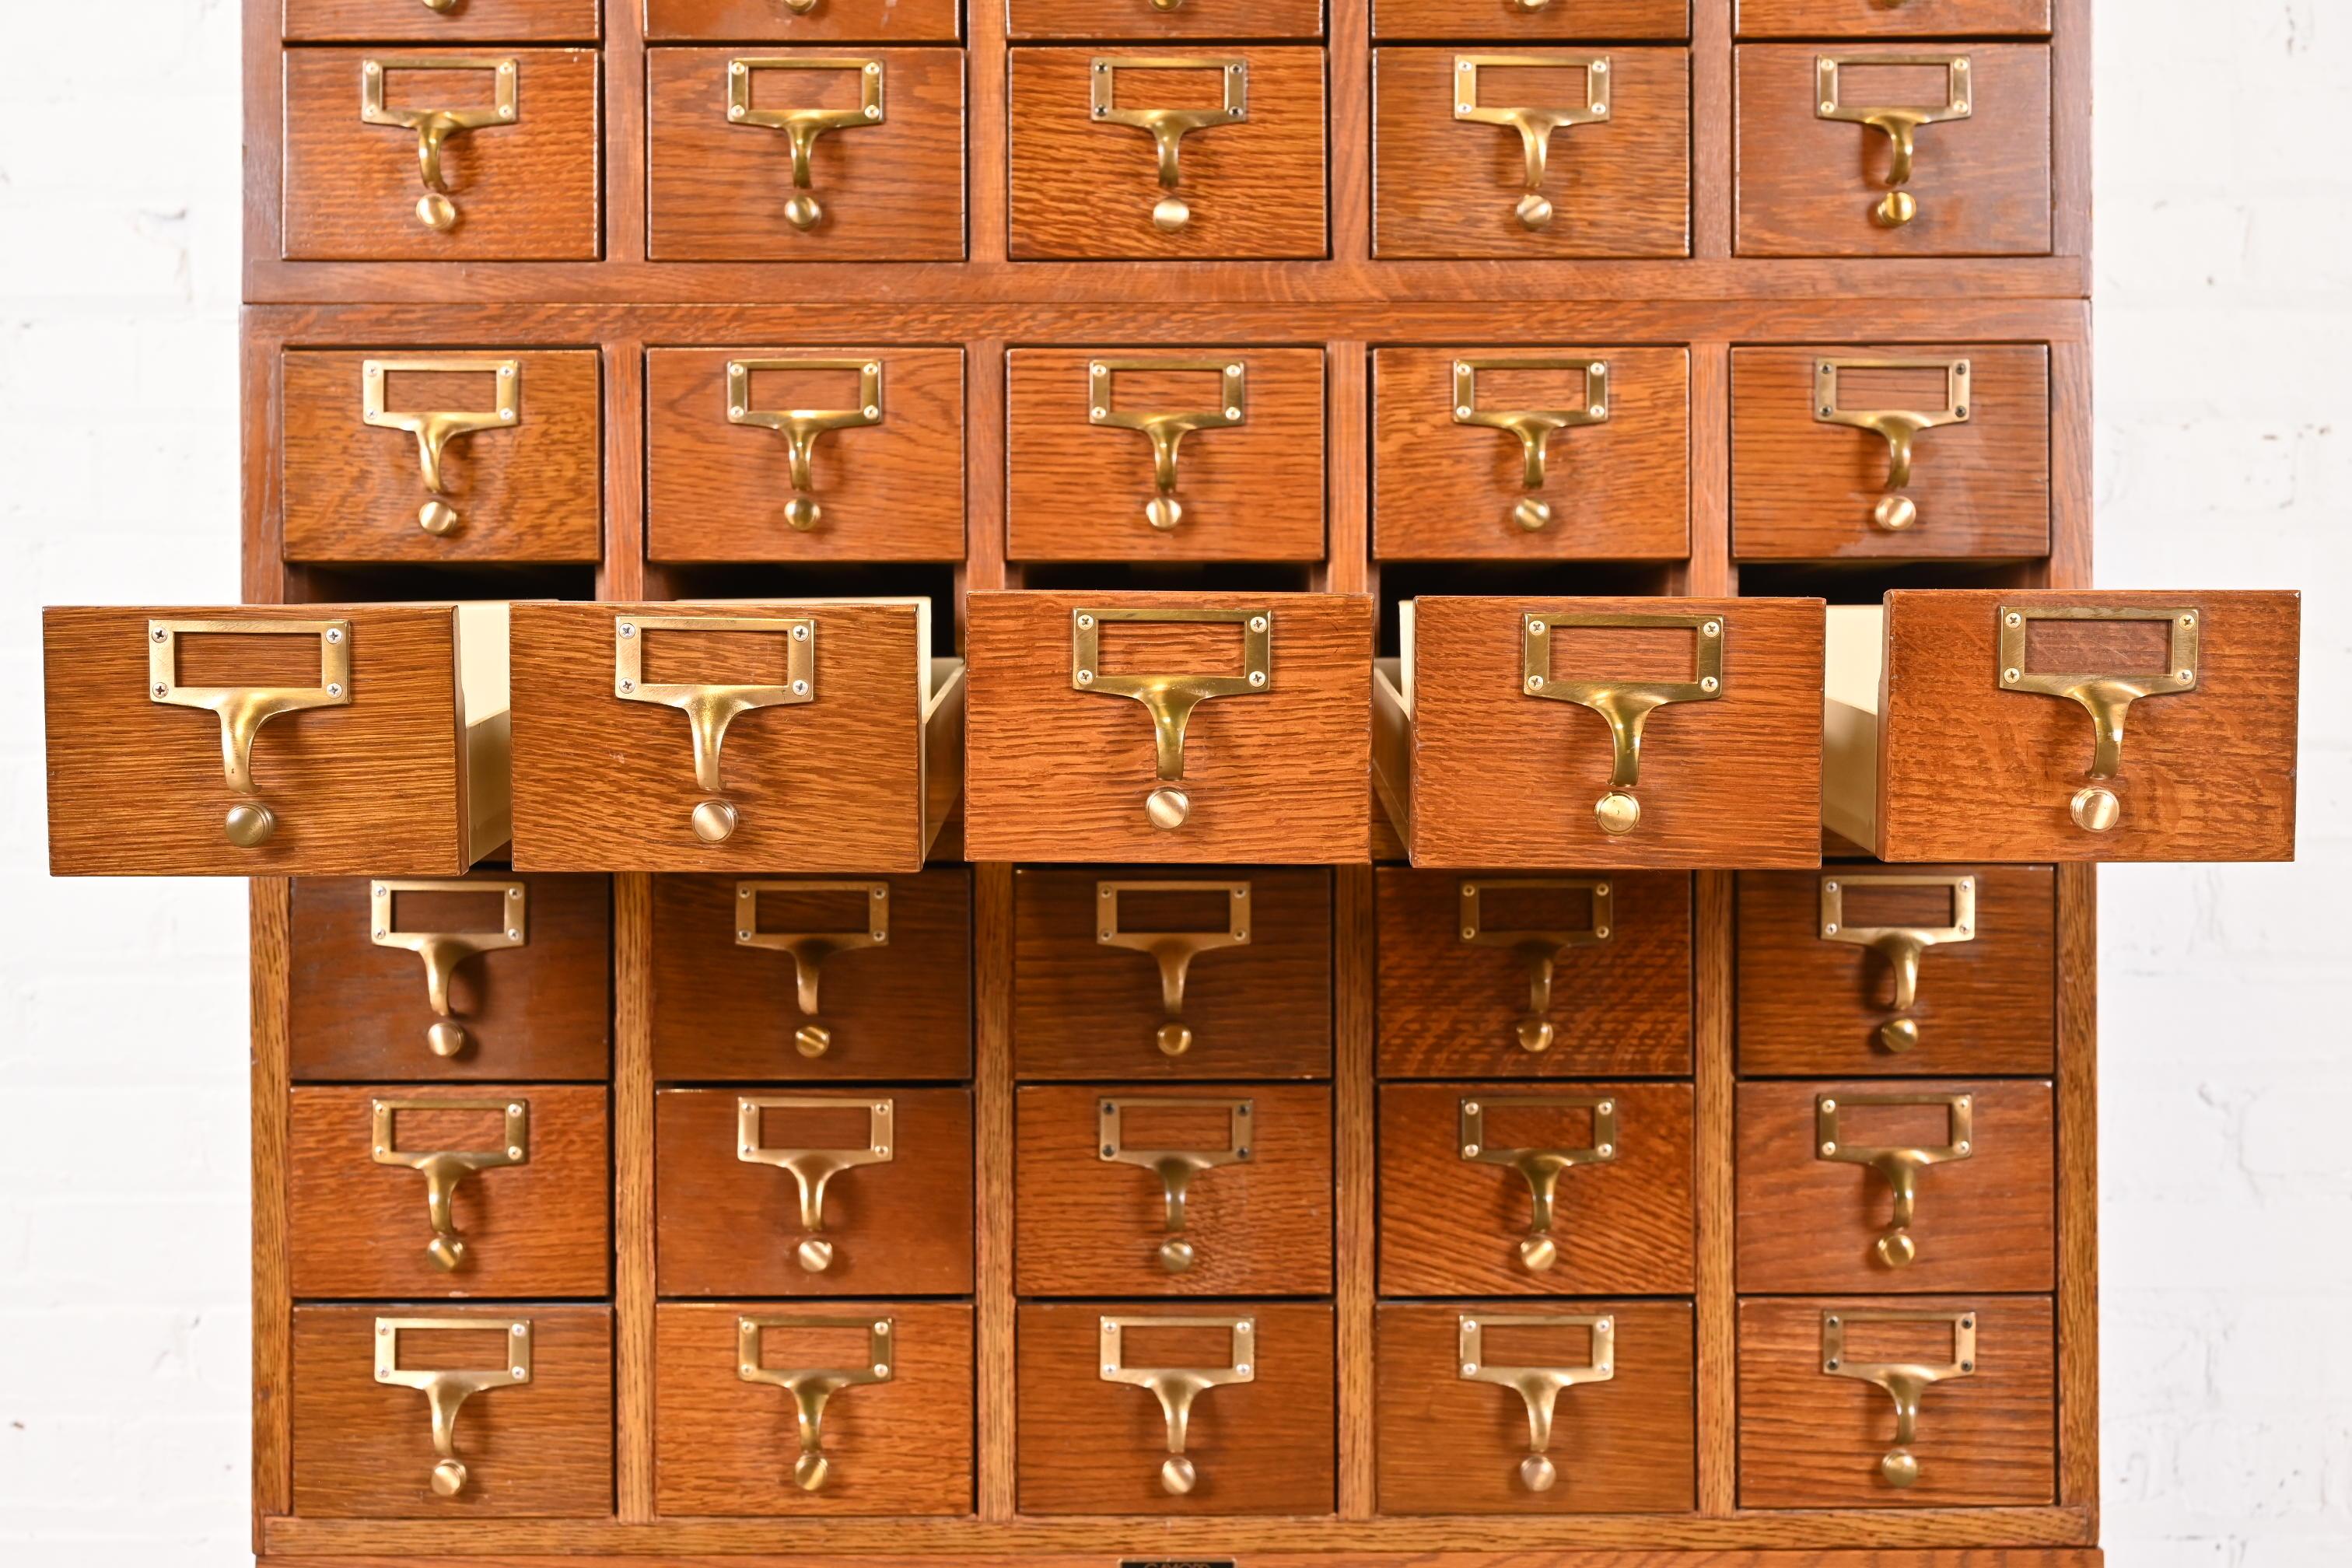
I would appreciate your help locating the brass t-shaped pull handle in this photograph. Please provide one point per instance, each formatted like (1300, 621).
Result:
(442, 951)
(1906, 1381)
(433, 127)
(1532, 427)
(809, 950)
(1173, 951)
(1538, 1386)
(244, 709)
(1899, 427)
(1898, 1165)
(813, 1169)
(801, 127)
(436, 428)
(1169, 127)
(1623, 705)
(1899, 125)
(1901, 946)
(1175, 1167)
(446, 1393)
(708, 710)
(811, 1387)
(1539, 1168)
(800, 428)
(2107, 698)
(443, 1169)
(1535, 126)
(1541, 950)
(1166, 430)
(1170, 699)
(1177, 1388)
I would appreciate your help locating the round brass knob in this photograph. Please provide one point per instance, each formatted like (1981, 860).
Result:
(438, 518)
(714, 821)
(1537, 1253)
(810, 1470)
(1895, 514)
(446, 1252)
(444, 1039)
(815, 1254)
(801, 514)
(1164, 512)
(1897, 1249)
(1533, 210)
(1534, 1036)
(1536, 1474)
(448, 1479)
(1167, 806)
(1898, 208)
(1900, 1466)
(1167, 5)
(802, 211)
(1169, 213)
(1532, 515)
(437, 212)
(1898, 1036)
(1177, 1475)
(1173, 1038)
(250, 825)
(1176, 1255)
(1617, 812)
(2094, 809)
(1533, 5)
(812, 1040)
(444, 6)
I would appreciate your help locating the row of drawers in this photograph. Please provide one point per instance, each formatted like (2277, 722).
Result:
(1199, 453)
(1588, 1408)
(821, 155)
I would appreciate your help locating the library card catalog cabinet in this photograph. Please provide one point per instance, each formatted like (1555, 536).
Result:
(1308, 784)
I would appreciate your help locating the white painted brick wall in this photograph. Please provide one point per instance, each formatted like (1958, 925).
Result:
(2224, 297)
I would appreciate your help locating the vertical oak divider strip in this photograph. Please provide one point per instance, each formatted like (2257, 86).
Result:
(265, 132)
(1356, 1170)
(1711, 139)
(1717, 1329)
(984, 416)
(1709, 573)
(623, 62)
(622, 574)
(2078, 1190)
(992, 927)
(271, 905)
(1348, 95)
(633, 1196)
(986, 133)
(2070, 134)
(1347, 440)
(263, 415)
(2071, 477)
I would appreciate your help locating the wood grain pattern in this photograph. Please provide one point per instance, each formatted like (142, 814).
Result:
(1505, 19)
(830, 21)
(1083, 190)
(1082, 19)
(1075, 491)
(994, 1376)
(891, 191)
(1445, 187)
(528, 190)
(267, 923)
(1451, 1226)
(1620, 490)
(1912, 18)
(1712, 1094)
(727, 1447)
(1806, 490)
(1449, 1008)
(2078, 1187)
(1449, 1445)
(634, 1212)
(494, 21)
(1605, 1541)
(1258, 1011)
(1356, 1164)
(1808, 186)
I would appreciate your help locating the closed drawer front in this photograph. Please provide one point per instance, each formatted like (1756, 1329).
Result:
(1242, 474)
(1271, 764)
(493, 976)
(1570, 1407)
(813, 1192)
(1165, 19)
(533, 1430)
(1205, 1190)
(1531, 454)
(804, 454)
(1814, 180)
(778, 735)
(1531, 152)
(1902, 970)
(893, 1434)
(1094, 1439)
(420, 1191)
(882, 179)
(1128, 973)
(1819, 1428)
(1921, 452)
(425, 455)
(1583, 20)
(1520, 976)
(810, 978)
(1527, 1190)
(496, 21)
(826, 21)
(1246, 180)
(517, 180)
(1915, 18)
(1930, 1185)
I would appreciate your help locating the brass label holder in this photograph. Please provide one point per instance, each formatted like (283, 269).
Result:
(1173, 951)
(1169, 127)
(436, 428)
(446, 1393)
(1904, 1382)
(1538, 1386)
(1898, 427)
(1539, 950)
(1166, 430)
(1535, 126)
(1176, 1387)
(443, 1169)
(800, 428)
(1170, 699)
(1532, 427)
(1899, 125)
(812, 1169)
(442, 951)
(801, 127)
(1898, 1165)
(809, 950)
(1176, 1167)
(433, 127)
(244, 709)
(1623, 705)
(812, 1386)
(2105, 698)
(1901, 946)
(708, 710)
(1539, 1168)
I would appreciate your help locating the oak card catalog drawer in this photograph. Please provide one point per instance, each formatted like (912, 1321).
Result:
(1511, 975)
(1483, 19)
(430, 455)
(529, 1391)
(1914, 18)
(1198, 1190)
(1639, 732)
(804, 155)
(1165, 18)
(387, 755)
(1537, 1189)
(1923, 453)
(1530, 152)
(1921, 1186)
(1125, 973)
(776, 736)
(810, 22)
(856, 1407)
(443, 155)
(1531, 454)
(813, 977)
(1176, 727)
(1132, 154)
(1941, 150)
(449, 979)
(1099, 468)
(1902, 970)
(816, 1193)
(1965, 725)
(1167, 1407)
(1911, 1402)
(496, 21)
(421, 1191)
(1553, 1407)
(806, 454)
